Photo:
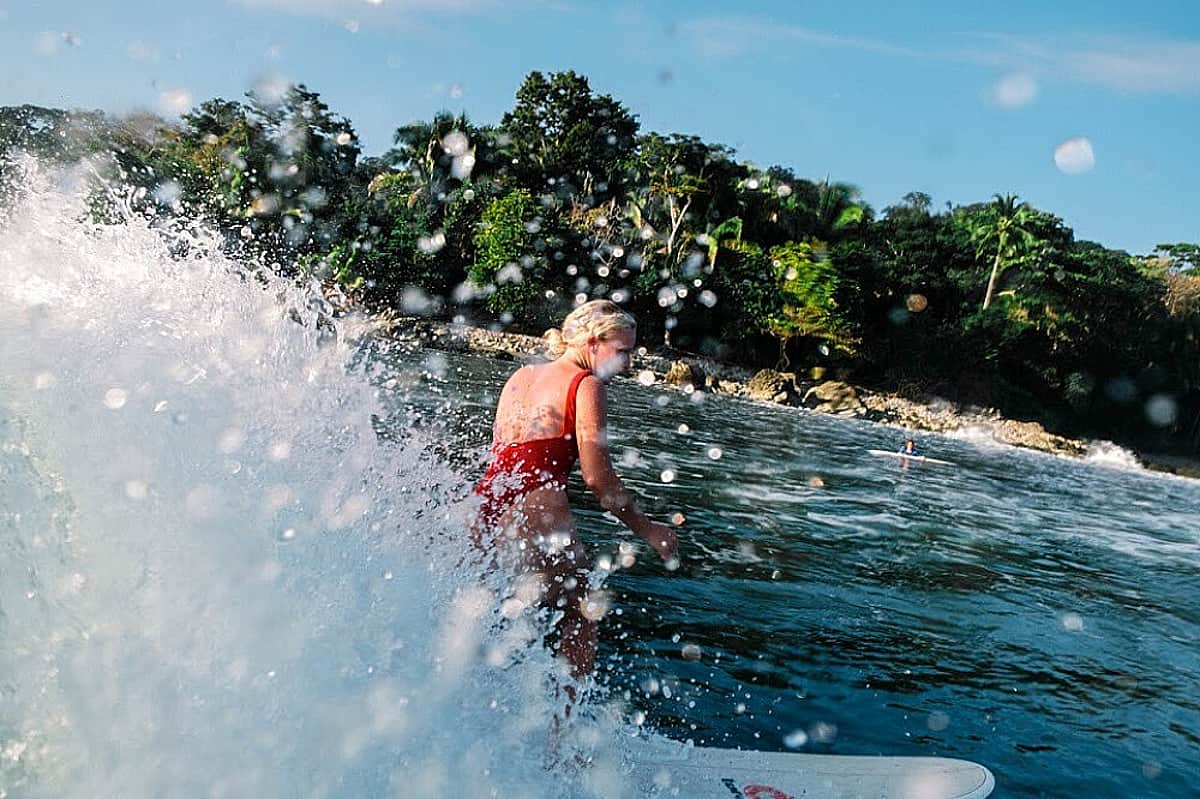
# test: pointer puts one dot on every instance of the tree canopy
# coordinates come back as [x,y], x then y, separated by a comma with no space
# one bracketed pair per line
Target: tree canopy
[567,199]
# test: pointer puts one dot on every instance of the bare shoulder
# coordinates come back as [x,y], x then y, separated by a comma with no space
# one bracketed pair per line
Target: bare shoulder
[592,394]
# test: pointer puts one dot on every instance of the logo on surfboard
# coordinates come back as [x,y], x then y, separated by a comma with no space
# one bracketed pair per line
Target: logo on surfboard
[755,791]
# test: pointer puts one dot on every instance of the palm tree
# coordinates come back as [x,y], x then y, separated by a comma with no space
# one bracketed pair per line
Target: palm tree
[1008,227]
[836,206]
[429,147]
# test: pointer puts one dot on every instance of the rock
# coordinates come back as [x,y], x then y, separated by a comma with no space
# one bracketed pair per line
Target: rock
[769,385]
[834,396]
[1034,436]
[683,373]
[725,388]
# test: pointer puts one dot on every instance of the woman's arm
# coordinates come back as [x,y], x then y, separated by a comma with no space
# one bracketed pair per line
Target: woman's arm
[591,431]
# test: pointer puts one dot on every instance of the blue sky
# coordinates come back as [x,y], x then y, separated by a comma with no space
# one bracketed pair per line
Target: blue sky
[956,101]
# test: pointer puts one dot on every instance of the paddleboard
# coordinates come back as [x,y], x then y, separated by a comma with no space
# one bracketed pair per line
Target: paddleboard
[918,458]
[661,767]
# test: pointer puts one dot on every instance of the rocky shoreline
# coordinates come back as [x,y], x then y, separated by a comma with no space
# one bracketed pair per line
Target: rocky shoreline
[690,373]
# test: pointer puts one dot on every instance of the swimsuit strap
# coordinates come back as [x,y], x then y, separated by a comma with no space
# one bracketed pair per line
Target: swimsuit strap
[569,411]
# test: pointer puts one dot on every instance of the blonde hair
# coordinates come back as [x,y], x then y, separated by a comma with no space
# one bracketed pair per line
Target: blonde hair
[596,319]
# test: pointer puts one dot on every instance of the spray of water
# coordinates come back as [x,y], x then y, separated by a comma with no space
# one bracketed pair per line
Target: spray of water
[217,578]
[1106,453]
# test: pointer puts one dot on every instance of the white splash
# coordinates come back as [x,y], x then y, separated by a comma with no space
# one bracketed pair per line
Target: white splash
[219,580]
[1106,453]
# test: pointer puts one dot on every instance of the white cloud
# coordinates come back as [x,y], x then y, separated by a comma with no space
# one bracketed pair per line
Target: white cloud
[1133,64]
[729,36]
[1074,156]
[1162,66]
[1129,64]
[367,9]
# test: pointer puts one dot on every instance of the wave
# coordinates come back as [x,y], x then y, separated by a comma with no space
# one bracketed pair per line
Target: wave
[1106,453]
[220,580]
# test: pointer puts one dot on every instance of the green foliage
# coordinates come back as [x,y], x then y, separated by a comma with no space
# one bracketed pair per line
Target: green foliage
[565,199]
[807,283]
[339,265]
[1182,256]
[1001,232]
[564,139]
[506,269]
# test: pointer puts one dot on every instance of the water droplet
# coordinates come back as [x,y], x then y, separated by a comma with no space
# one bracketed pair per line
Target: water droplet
[823,732]
[1074,156]
[715,453]
[115,398]
[203,502]
[667,476]
[270,88]
[230,440]
[1014,91]
[595,605]
[793,740]
[1161,410]
[175,101]
[431,244]
[691,652]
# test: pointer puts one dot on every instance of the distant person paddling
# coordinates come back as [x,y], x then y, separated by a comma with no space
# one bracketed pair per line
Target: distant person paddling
[548,415]
[909,449]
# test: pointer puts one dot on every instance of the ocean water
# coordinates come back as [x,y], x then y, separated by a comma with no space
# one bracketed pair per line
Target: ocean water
[1033,613]
[232,563]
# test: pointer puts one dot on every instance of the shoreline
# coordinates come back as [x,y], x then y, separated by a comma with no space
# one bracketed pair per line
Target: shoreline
[690,373]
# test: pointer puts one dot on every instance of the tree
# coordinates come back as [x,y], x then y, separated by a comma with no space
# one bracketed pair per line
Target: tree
[681,179]
[507,269]
[1181,257]
[918,201]
[836,207]
[308,165]
[564,139]
[1003,230]
[444,152]
[807,284]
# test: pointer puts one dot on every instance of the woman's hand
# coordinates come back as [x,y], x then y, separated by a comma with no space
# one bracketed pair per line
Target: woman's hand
[663,539]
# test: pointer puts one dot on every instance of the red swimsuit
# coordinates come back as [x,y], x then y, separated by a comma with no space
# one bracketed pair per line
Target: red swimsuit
[520,467]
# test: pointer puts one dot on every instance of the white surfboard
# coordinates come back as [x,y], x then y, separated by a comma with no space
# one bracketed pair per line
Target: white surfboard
[917,458]
[661,768]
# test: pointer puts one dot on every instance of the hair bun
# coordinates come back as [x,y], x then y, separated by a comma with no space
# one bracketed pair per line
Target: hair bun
[555,341]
